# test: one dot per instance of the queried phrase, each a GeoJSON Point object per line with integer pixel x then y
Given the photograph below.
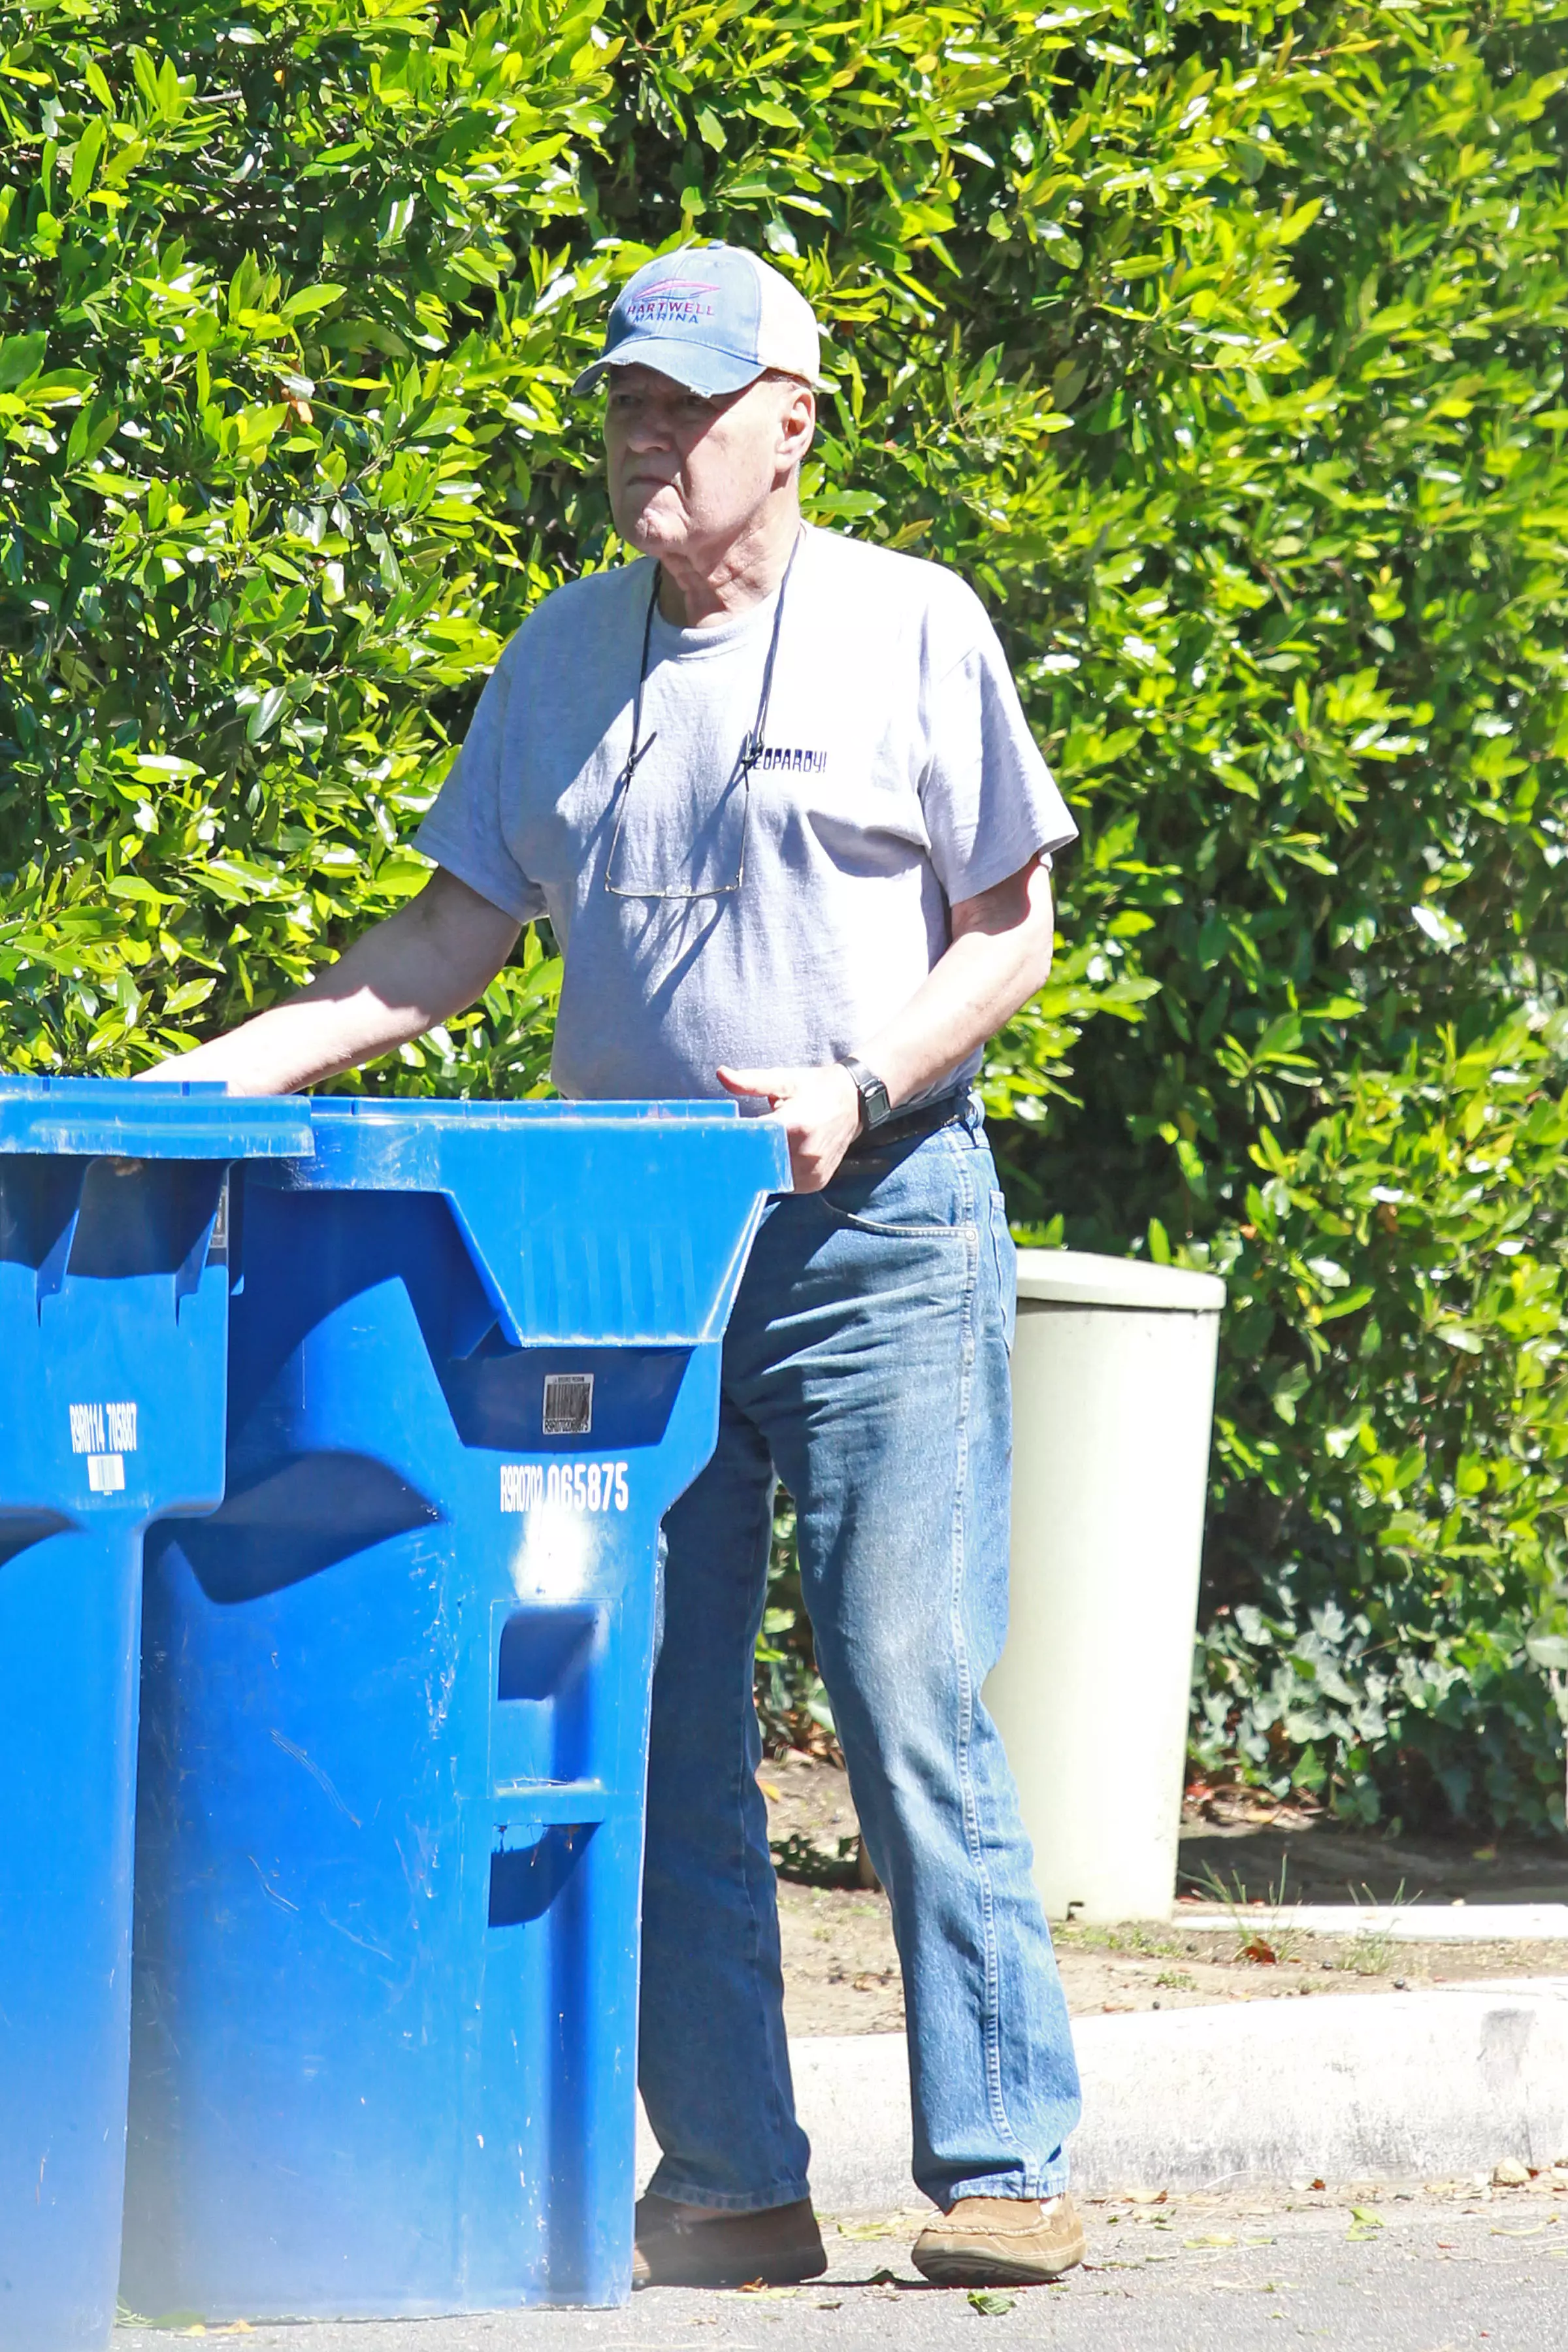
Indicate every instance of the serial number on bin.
{"type": "Point", "coordinates": [569, 1485]}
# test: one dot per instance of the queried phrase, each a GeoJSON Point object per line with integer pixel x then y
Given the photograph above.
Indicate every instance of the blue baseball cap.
{"type": "Point", "coordinates": [713, 318]}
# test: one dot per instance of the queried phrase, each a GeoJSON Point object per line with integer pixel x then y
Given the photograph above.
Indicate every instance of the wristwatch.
{"type": "Point", "coordinates": [874, 1105]}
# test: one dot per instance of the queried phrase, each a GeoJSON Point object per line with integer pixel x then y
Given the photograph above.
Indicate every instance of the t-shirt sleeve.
{"type": "Point", "coordinates": [464, 831]}
{"type": "Point", "coordinates": [989, 799]}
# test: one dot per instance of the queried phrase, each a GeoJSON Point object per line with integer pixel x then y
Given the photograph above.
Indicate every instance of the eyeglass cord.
{"type": "Point", "coordinates": [753, 746]}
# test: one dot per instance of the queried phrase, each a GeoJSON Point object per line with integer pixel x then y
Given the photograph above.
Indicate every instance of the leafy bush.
{"type": "Point", "coordinates": [1221, 345]}
{"type": "Point", "coordinates": [791, 1702]}
{"type": "Point", "coordinates": [1306, 672]}
{"type": "Point", "coordinates": [1413, 1479]}
{"type": "Point", "coordinates": [265, 532]}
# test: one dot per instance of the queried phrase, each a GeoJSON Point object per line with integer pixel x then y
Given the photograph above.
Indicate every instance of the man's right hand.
{"type": "Point", "coordinates": [430, 959]}
{"type": "Point", "coordinates": [820, 1108]}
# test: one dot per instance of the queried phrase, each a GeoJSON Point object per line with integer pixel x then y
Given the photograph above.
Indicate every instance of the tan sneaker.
{"type": "Point", "coordinates": [1001, 2241]}
{"type": "Point", "coordinates": [678, 2245]}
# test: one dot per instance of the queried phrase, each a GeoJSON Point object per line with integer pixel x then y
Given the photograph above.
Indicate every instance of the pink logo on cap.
{"type": "Point", "coordinates": [673, 303]}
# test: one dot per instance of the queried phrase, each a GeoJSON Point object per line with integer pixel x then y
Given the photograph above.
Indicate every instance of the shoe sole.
{"type": "Point", "coordinates": [794, 2272]}
{"type": "Point", "coordinates": [951, 2267]}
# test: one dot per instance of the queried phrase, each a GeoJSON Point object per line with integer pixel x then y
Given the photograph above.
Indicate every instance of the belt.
{"type": "Point", "coordinates": [865, 1151]}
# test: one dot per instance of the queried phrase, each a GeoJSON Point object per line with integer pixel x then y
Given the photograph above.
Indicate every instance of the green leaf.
{"type": "Point", "coordinates": [21, 357]}
{"type": "Point", "coordinates": [265, 713]}
{"type": "Point", "coordinates": [84, 163]}
{"type": "Point", "coordinates": [310, 299]}
{"type": "Point", "coordinates": [186, 998]}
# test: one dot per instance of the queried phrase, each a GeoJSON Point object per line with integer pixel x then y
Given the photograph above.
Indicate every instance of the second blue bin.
{"type": "Point", "coordinates": [114, 1291]}
{"type": "Point", "coordinates": [394, 1711]}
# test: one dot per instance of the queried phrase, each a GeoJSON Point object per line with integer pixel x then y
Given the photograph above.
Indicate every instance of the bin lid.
{"type": "Point", "coordinates": [121, 1118]}
{"type": "Point", "coordinates": [1080, 1278]}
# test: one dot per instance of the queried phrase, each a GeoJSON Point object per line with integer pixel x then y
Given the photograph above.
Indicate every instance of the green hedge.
{"type": "Point", "coordinates": [1221, 346]}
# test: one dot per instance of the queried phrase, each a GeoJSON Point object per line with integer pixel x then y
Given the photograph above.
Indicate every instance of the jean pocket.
{"type": "Point", "coordinates": [1004, 1253]}
{"type": "Point", "coordinates": [922, 1196]}
{"type": "Point", "coordinates": [853, 1222]}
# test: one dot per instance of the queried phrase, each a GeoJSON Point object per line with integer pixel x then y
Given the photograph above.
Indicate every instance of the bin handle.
{"type": "Point", "coordinates": [200, 1133]}
{"type": "Point", "coordinates": [558, 1804]}
{"type": "Point", "coordinates": [55, 1264]}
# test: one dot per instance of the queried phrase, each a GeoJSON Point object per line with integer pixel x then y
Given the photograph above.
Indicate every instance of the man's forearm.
{"type": "Point", "coordinates": [298, 1044]}
{"type": "Point", "coordinates": [426, 962]}
{"type": "Point", "coordinates": [1000, 955]}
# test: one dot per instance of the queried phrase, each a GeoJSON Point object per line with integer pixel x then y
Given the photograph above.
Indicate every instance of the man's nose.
{"type": "Point", "coordinates": [650, 428]}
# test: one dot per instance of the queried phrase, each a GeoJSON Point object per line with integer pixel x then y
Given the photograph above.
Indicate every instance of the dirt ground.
{"type": "Point", "coordinates": [841, 1973]}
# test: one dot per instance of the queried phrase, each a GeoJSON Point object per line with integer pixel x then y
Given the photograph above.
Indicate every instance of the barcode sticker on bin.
{"type": "Point", "coordinates": [568, 1405]}
{"type": "Point", "coordinates": [106, 1434]}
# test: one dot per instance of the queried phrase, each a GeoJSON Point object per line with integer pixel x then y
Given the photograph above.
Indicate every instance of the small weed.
{"type": "Point", "coordinates": [1145, 1941]}
{"type": "Point", "coordinates": [1371, 1952]}
{"type": "Point", "coordinates": [1082, 1940]}
{"type": "Point", "coordinates": [1176, 1981]}
{"type": "Point", "coordinates": [1266, 1948]}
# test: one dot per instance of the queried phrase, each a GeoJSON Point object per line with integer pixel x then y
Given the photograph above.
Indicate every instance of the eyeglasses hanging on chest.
{"type": "Point", "coordinates": [618, 882]}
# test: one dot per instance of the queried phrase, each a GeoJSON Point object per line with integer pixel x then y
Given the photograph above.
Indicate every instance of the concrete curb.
{"type": "Point", "coordinates": [1356, 2087]}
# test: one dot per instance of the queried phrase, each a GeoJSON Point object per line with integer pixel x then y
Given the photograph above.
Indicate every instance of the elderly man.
{"type": "Point", "coordinates": [774, 789]}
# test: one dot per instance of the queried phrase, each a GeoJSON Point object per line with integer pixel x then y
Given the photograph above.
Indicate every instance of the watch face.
{"type": "Point", "coordinates": [874, 1104]}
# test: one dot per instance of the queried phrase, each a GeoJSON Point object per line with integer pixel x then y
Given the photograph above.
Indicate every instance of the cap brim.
{"type": "Point", "coordinates": [692, 364]}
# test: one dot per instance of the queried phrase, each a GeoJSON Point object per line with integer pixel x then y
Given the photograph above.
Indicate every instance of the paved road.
{"type": "Point", "coordinates": [1429, 2273]}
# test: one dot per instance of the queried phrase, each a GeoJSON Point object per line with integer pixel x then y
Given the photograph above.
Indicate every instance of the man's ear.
{"type": "Point", "coordinates": [798, 425]}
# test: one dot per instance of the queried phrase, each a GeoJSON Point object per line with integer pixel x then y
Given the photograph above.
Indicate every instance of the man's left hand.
{"type": "Point", "coordinates": [821, 1112]}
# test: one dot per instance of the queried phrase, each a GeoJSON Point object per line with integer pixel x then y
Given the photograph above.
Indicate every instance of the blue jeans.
{"type": "Point", "coordinates": [866, 1365]}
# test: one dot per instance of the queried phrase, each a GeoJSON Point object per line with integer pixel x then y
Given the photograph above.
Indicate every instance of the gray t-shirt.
{"type": "Point", "coordinates": [897, 776]}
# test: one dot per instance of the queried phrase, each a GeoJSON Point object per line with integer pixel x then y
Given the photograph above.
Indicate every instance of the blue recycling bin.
{"type": "Point", "coordinates": [394, 1711]}
{"type": "Point", "coordinates": [113, 1336]}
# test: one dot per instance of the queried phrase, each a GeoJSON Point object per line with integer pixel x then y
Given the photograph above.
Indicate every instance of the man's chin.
{"type": "Point", "coordinates": [652, 533]}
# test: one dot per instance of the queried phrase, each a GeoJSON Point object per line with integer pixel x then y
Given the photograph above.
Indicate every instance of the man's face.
{"type": "Point", "coordinates": [689, 473]}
